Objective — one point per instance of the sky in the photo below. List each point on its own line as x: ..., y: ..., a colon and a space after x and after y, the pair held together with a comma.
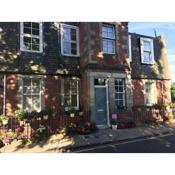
x: 162, y: 28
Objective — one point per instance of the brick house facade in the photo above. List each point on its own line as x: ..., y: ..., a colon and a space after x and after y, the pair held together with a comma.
x: 84, y: 66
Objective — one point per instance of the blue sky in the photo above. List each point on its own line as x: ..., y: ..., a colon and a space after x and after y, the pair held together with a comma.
x: 162, y: 28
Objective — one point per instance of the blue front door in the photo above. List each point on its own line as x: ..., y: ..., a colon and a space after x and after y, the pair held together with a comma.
x: 100, y: 106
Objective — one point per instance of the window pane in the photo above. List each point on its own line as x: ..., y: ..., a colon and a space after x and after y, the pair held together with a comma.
x: 74, y: 48
x: 66, y: 35
x: 27, y: 102
x: 108, y: 31
x: 35, y: 47
x: 27, y: 30
x: 27, y: 89
x: 35, y: 32
x: 74, y: 100
x: 35, y: 103
x: 35, y: 25
x: 147, y: 46
x: 27, y: 24
x: 108, y: 46
x: 35, y: 41
x: 147, y: 57
x: 67, y: 47
x: 27, y: 39
x: 73, y: 34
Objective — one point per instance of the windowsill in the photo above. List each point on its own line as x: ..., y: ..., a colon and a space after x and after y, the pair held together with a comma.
x: 148, y: 63
x: 67, y: 55
x: 104, y: 53
x: 31, y: 51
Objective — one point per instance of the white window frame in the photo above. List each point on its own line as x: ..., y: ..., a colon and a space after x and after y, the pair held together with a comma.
x: 40, y: 37
x: 40, y: 93
x: 63, y: 95
x: 130, y: 48
x: 142, y: 50
x: 109, y: 38
x: 62, y: 39
x: 124, y: 91
x: 153, y: 92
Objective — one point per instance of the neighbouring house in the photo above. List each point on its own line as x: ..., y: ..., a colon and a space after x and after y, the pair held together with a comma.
x: 98, y: 68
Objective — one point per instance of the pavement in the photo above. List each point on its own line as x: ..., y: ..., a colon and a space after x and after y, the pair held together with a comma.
x: 61, y: 143
x: 106, y: 136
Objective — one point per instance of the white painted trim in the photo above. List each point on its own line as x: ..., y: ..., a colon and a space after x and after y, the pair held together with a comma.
x: 40, y: 38
x: 109, y: 38
x: 130, y: 48
x: 142, y: 49
x: 77, y: 39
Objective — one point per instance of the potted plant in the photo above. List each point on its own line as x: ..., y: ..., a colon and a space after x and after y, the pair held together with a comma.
x: 72, y: 112
x: 114, y: 124
x: 4, y: 119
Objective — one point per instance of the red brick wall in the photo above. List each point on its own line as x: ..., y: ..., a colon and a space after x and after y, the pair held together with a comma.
x: 85, y: 94
x: 138, y: 92
x: 52, y: 96
x: 52, y: 90
x: 91, y: 45
x: 12, y: 99
x: 163, y: 92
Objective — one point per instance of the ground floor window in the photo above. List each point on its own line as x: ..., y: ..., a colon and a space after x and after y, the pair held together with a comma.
x: 71, y: 93
x: 31, y: 96
x: 150, y: 93
x: 120, y: 93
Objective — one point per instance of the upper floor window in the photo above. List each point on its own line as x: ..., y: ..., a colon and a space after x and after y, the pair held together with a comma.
x: 69, y: 40
x: 108, y: 39
x: 31, y: 37
x: 147, y: 50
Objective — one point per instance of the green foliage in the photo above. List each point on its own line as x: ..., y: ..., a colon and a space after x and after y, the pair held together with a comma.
x: 27, y: 116
x: 113, y: 122
x: 4, y: 119
x: 41, y: 132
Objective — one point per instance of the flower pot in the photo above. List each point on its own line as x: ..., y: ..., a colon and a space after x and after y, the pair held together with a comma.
x: 72, y: 115
x: 80, y: 113
x: 114, y: 127
x: 45, y: 117
x: 4, y: 122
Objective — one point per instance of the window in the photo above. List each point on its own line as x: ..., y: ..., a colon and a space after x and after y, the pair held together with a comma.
x: 147, y: 50
x: 150, y: 93
x: 130, y: 48
x: 69, y: 40
x: 31, y: 99
x: 120, y: 93
x: 31, y: 37
x: 71, y: 93
x: 108, y: 39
